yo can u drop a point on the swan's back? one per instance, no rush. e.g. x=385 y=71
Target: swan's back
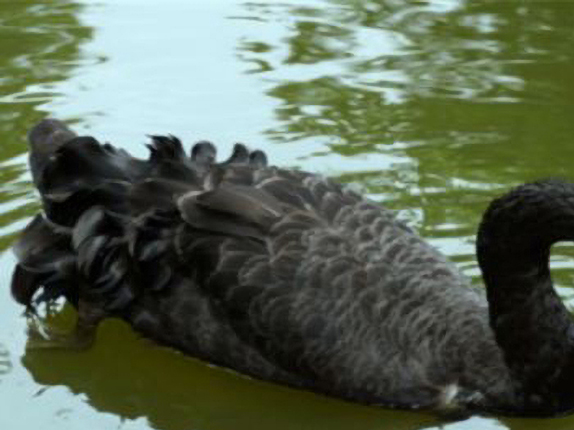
x=279 y=274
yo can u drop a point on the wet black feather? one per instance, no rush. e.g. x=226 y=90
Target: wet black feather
x=290 y=277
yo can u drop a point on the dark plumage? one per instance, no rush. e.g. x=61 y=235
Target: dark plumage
x=290 y=277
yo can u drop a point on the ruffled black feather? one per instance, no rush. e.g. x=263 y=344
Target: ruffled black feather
x=287 y=276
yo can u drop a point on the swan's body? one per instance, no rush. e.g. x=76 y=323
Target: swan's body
x=289 y=277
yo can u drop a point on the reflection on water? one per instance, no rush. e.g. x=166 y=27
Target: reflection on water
x=472 y=94
x=132 y=379
x=5 y=363
x=39 y=43
x=432 y=107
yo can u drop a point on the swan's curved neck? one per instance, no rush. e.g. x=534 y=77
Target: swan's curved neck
x=531 y=324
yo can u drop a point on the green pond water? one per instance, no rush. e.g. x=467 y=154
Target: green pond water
x=431 y=107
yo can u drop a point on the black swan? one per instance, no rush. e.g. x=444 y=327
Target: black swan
x=286 y=276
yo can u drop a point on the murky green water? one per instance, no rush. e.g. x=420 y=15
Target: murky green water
x=431 y=107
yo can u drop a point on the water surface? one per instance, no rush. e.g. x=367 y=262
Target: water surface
x=430 y=107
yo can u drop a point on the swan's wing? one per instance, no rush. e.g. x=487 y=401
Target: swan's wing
x=109 y=218
x=290 y=262
x=283 y=262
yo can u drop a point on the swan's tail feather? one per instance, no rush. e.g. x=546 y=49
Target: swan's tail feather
x=45 y=138
x=167 y=160
x=240 y=155
x=84 y=162
x=24 y=285
x=203 y=153
x=98 y=243
x=82 y=173
x=110 y=222
x=258 y=159
x=157 y=194
x=44 y=257
x=65 y=208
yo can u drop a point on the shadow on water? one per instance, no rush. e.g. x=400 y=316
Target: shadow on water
x=132 y=378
